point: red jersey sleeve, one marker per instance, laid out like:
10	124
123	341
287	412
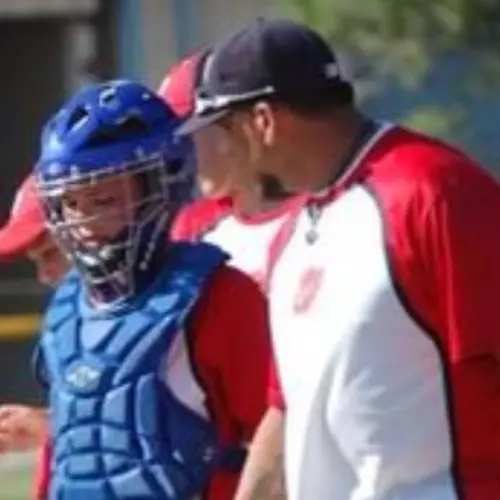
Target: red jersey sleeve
229	339
444	244
461	238
443	239
232	351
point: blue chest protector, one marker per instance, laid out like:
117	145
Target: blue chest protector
118	432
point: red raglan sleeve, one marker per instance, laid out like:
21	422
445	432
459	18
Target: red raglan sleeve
447	255
233	350
462	238
444	247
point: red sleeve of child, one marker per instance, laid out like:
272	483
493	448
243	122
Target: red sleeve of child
229	339
232	351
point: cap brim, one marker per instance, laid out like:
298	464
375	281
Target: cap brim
16	239
197	122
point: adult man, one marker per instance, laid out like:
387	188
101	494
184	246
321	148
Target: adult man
108	172
248	222
385	302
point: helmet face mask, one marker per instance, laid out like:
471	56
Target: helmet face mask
108	201
105	224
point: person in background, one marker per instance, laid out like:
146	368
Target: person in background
24	235
384	303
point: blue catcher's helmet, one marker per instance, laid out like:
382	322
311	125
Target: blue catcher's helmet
109	131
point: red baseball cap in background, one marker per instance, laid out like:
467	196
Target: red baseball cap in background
25	224
177	88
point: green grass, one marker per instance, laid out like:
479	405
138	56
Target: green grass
15	484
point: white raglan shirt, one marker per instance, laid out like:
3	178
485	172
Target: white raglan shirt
248	241
364	385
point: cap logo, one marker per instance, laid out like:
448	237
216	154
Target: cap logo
332	70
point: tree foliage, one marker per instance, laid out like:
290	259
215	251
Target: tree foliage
403	36
399	43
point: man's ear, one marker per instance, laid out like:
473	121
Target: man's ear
264	122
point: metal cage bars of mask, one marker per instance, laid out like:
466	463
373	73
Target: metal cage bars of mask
124	254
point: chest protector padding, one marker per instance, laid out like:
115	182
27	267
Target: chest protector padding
118	432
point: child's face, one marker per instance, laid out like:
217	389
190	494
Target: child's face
97	212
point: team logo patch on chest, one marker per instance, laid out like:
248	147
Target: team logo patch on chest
309	285
83	376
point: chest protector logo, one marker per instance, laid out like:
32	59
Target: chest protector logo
117	431
82	376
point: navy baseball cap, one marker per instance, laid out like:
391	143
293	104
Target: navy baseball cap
276	58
